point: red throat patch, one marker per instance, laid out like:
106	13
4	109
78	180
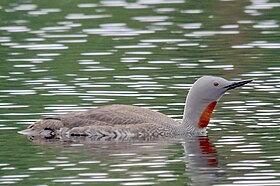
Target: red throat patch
206	115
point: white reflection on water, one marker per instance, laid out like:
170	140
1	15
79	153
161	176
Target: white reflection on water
191	25
96	53
41	168
225	67
43	11
83	16
154	2
12	105
262	5
87	5
25	7
143	45
15	28
192	11
259	44
73	41
64	35
104	180
212	33
116	29
267	24
4	39
18	92
32	60
151	18
163	40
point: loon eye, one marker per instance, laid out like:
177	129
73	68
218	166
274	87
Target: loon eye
216	84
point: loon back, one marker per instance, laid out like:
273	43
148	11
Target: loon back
114	121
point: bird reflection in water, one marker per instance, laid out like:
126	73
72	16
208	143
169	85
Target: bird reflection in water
202	160
200	155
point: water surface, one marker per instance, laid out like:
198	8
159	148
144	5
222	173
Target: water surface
61	56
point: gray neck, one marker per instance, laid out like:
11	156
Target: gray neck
192	113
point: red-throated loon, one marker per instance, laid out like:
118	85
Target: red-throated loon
118	121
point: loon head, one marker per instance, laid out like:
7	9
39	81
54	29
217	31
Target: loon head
203	97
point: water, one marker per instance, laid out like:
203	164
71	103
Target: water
60	56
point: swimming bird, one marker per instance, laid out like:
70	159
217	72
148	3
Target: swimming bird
127	121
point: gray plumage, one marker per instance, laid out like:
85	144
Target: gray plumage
112	122
131	122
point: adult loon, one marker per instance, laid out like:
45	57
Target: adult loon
126	121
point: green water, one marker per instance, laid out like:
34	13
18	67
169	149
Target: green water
61	56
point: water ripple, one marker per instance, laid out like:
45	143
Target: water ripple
44	11
80	16
151	18
15	29
116	29
41	46
212	33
